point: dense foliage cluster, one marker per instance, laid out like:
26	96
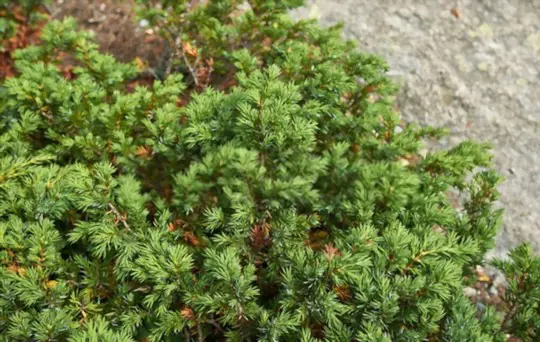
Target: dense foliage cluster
264	189
13	13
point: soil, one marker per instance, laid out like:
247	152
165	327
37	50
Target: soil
115	26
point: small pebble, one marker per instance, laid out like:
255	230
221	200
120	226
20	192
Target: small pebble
499	280
469	292
245	6
480	306
493	291
480	285
404	162
495	300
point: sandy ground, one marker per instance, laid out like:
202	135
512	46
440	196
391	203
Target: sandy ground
471	66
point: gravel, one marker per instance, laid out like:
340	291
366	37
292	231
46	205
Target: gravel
471	66
470	292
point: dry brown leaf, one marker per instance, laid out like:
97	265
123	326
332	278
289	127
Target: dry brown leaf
51	284
260	235
343	292
143	152
189	49
192	239
456	12
267	43
484	278
187	313
13	268
331	252
22	271
140	64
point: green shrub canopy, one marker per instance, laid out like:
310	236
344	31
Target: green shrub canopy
265	189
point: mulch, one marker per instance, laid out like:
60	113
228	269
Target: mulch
26	34
114	25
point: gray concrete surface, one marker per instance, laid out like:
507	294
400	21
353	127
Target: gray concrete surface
475	72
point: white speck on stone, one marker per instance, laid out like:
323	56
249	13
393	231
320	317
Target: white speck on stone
404	12
483	66
522	82
534	41
472	34
421	10
485	31
463	65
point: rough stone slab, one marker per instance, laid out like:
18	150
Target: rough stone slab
475	71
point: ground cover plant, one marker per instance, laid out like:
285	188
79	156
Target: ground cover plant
262	188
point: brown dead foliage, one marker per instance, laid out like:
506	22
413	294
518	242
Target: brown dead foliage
25	34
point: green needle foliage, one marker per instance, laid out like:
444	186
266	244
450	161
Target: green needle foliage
14	13
264	190
523	294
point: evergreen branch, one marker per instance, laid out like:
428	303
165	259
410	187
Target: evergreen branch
416	259
216	325
188	64
14	168
118	216
178	45
199	332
